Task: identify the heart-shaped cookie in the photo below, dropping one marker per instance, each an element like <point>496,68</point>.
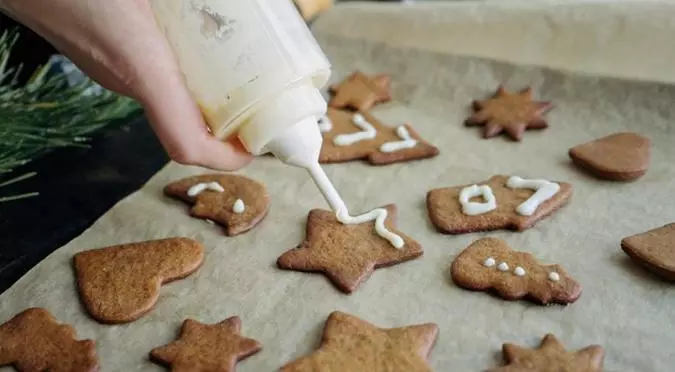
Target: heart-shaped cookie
<point>121,283</point>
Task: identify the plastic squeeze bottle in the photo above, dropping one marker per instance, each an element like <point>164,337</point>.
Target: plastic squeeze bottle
<point>255,70</point>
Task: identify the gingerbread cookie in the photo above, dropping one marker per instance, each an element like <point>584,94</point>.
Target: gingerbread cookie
<point>512,113</point>
<point>490,264</point>
<point>655,249</point>
<point>235,202</point>
<point>351,344</point>
<point>119,284</point>
<point>206,347</point>
<point>354,136</point>
<point>618,157</point>
<point>34,341</point>
<point>551,356</point>
<point>499,203</point>
<point>361,92</point>
<point>349,253</point>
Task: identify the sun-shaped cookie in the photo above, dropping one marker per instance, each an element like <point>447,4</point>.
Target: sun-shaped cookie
<point>513,113</point>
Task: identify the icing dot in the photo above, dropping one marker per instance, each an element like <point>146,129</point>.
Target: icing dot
<point>489,262</point>
<point>503,266</point>
<point>238,206</point>
<point>519,271</point>
<point>553,276</point>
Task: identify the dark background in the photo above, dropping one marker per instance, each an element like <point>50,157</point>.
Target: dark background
<point>76,185</point>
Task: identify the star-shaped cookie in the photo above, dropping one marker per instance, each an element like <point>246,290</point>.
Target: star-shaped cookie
<point>206,347</point>
<point>344,139</point>
<point>512,113</point>
<point>236,202</point>
<point>347,254</point>
<point>351,344</point>
<point>551,356</point>
<point>361,92</point>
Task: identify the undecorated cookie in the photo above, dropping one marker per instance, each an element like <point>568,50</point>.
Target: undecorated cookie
<point>499,203</point>
<point>235,202</point>
<point>551,356</point>
<point>354,136</point>
<point>121,283</point>
<point>618,157</point>
<point>361,92</point>
<point>512,113</point>
<point>489,264</point>
<point>206,347</point>
<point>347,254</point>
<point>34,341</point>
<point>351,344</point>
<point>655,249</point>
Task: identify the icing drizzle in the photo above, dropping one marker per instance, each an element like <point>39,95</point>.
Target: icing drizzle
<point>238,207</point>
<point>473,208</point>
<point>379,215</point>
<point>544,190</point>
<point>325,124</point>
<point>198,188</point>
<point>406,141</point>
<point>367,132</point>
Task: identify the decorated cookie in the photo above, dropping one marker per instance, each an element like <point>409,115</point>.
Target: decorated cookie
<point>361,92</point>
<point>489,264</point>
<point>236,202</point>
<point>551,356</point>
<point>351,344</point>
<point>34,341</point>
<point>512,113</point>
<point>499,203</point>
<point>618,157</point>
<point>119,284</point>
<point>354,136</point>
<point>655,249</point>
<point>349,253</point>
<point>206,347</point>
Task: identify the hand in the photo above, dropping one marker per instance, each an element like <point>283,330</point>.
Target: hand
<point>118,44</point>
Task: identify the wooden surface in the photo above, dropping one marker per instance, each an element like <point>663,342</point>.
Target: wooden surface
<point>309,9</point>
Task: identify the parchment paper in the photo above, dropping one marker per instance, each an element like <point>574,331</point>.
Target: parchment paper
<point>623,308</point>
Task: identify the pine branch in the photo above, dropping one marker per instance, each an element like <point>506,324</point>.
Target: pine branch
<point>46,113</point>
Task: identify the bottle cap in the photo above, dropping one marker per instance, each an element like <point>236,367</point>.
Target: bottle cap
<point>287,125</point>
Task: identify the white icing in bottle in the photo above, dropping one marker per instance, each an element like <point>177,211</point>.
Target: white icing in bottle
<point>325,124</point>
<point>544,190</point>
<point>367,132</point>
<point>470,208</point>
<point>238,207</point>
<point>342,213</point>
<point>406,141</point>
<point>198,188</point>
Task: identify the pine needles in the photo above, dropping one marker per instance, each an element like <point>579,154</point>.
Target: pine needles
<point>47,114</point>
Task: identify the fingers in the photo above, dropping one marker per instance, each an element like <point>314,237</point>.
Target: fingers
<point>176,119</point>
<point>180,128</point>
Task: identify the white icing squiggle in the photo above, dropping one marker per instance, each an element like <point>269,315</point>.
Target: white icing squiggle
<point>489,262</point>
<point>472,208</point>
<point>325,124</point>
<point>238,207</point>
<point>379,215</point>
<point>503,266</point>
<point>367,132</point>
<point>544,190</point>
<point>519,271</point>
<point>198,188</point>
<point>406,141</point>
<point>553,276</point>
